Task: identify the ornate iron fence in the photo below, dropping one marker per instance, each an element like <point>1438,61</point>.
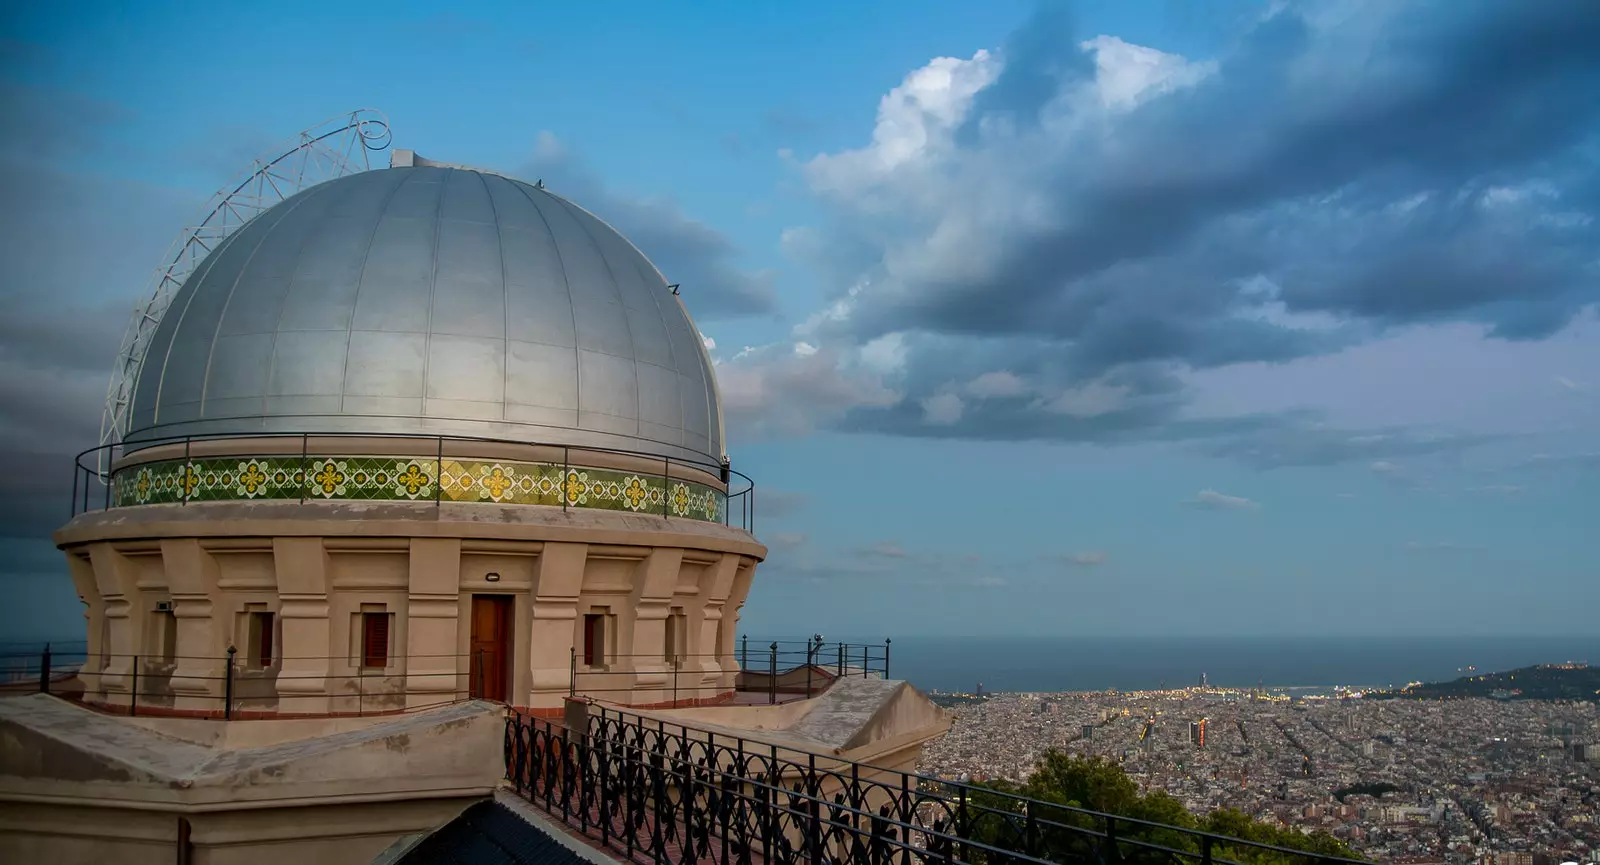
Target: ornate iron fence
<point>420,468</point>
<point>660,793</point>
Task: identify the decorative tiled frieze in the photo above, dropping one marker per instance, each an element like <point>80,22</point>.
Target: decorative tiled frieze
<point>367,478</point>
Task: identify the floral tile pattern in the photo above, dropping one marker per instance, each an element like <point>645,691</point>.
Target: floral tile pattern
<point>368,478</point>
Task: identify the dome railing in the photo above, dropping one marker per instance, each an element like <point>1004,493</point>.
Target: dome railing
<point>99,475</point>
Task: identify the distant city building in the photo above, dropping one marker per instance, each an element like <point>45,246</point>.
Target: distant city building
<point>1197,733</point>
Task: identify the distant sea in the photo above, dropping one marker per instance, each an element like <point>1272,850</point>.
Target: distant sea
<point>1146,663</point>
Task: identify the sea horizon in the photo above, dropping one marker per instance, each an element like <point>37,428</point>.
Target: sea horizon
<point>1134,663</point>
<point>1144,663</point>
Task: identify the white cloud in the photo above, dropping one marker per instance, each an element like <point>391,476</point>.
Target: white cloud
<point>886,354</point>
<point>787,540</point>
<point>1213,500</point>
<point>943,409</point>
<point>710,344</point>
<point>789,390</point>
<point>1090,400</point>
<point>1000,383</point>
<point>1127,74</point>
<point>915,119</point>
<point>885,549</point>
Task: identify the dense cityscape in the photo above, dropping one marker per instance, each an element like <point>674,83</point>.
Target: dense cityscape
<point>1405,781</point>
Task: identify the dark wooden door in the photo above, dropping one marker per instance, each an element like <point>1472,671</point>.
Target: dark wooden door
<point>491,647</point>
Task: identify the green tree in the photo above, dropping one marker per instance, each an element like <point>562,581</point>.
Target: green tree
<point>1049,828</point>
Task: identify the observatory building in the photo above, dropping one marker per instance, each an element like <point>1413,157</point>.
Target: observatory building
<point>429,432</point>
<point>415,497</point>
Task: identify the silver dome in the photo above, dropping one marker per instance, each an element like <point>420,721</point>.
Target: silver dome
<point>432,300</point>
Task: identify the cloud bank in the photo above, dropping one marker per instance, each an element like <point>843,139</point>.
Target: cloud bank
<point>1052,239</point>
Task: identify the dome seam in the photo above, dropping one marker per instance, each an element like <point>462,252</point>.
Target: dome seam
<point>566,283</point>
<point>213,257</point>
<point>708,374</point>
<point>361,280</point>
<point>622,304</point>
<point>505,300</point>
<point>433,285</point>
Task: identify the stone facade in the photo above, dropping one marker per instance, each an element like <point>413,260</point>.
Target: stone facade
<point>290,586</point>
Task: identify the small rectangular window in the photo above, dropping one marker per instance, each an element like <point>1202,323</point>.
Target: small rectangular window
<point>594,639</point>
<point>374,639</point>
<point>166,622</point>
<point>261,637</point>
<point>677,637</point>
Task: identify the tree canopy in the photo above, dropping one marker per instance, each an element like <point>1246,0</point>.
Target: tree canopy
<point>998,820</point>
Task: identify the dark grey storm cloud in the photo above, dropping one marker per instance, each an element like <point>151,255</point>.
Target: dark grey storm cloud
<point>690,253</point>
<point>1363,165</point>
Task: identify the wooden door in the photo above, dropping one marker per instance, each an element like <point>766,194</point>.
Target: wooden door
<point>490,658</point>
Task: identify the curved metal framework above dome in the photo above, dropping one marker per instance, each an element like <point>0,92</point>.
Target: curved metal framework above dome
<point>334,148</point>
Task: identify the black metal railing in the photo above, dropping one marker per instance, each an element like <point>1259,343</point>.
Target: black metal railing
<point>777,669</point>
<point>95,469</point>
<point>235,685</point>
<point>40,661</point>
<point>658,792</point>
<point>227,685</point>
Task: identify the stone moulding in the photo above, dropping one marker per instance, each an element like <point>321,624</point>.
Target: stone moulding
<point>405,479</point>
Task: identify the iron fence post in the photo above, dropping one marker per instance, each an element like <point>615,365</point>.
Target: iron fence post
<point>840,665</point>
<point>1205,850</point>
<point>772,675</point>
<point>44,670</point>
<point>886,642</point>
<point>865,663</point>
<point>572,669</point>
<point>305,476</point>
<point>744,653</point>
<point>566,466</point>
<point>106,481</point>
<point>227,687</point>
<point>666,486</point>
<point>438,473</point>
<point>810,646</point>
<point>188,466</point>
<point>133,689</point>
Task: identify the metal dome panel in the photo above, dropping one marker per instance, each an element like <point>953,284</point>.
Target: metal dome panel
<point>431,300</point>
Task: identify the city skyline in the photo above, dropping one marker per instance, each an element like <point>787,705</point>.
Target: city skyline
<point>1101,319</point>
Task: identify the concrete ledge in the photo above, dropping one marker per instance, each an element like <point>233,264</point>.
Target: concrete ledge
<point>405,520</point>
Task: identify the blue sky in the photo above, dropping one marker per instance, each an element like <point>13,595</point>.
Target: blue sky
<point>1094,318</point>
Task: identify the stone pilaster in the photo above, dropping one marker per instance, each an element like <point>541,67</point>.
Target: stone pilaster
<point>712,655</point>
<point>433,614</point>
<point>738,591</point>
<point>654,580</point>
<point>308,653</point>
<point>199,678</point>
<point>114,577</point>
<point>94,614</point>
<point>554,631</point>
